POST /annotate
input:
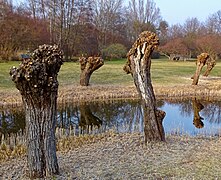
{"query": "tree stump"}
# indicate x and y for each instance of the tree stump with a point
(36, 79)
(138, 65)
(201, 61)
(197, 119)
(88, 66)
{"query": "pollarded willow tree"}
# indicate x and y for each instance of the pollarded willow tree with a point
(211, 62)
(201, 61)
(36, 79)
(88, 66)
(138, 65)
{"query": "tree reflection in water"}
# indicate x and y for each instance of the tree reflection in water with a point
(211, 111)
(197, 119)
(88, 120)
(120, 116)
(12, 125)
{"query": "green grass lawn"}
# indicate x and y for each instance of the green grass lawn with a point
(164, 72)
(5, 79)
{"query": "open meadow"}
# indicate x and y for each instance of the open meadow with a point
(164, 73)
(122, 156)
(169, 78)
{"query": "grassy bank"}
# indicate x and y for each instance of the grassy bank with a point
(170, 79)
(164, 73)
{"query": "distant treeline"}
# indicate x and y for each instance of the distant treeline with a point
(97, 27)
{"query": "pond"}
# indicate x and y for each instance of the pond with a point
(191, 117)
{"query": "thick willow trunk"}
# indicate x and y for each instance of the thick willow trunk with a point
(139, 64)
(153, 127)
(201, 61)
(197, 73)
(208, 70)
(36, 79)
(40, 132)
(88, 66)
(85, 77)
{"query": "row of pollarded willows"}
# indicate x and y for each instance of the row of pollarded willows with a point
(90, 64)
(36, 79)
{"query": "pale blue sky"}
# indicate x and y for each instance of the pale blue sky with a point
(177, 11)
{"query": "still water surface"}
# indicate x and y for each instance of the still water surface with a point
(182, 117)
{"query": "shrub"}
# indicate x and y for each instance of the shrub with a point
(155, 55)
(114, 51)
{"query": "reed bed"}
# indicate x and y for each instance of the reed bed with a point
(99, 92)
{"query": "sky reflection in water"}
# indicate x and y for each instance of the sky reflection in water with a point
(126, 116)
(179, 118)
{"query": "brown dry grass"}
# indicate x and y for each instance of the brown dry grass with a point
(210, 88)
(124, 156)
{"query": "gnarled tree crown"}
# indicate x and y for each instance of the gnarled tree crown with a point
(91, 63)
(146, 37)
(202, 58)
(37, 76)
(144, 46)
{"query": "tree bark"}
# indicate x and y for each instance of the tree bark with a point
(36, 79)
(210, 65)
(88, 66)
(201, 61)
(139, 64)
(153, 128)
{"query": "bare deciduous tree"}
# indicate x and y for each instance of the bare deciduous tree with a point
(142, 15)
(213, 23)
(107, 18)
